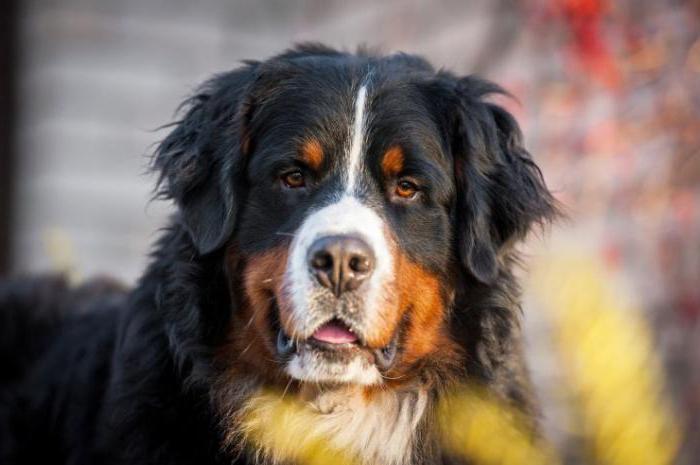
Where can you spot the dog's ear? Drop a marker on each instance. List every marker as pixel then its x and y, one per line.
pixel 500 190
pixel 200 160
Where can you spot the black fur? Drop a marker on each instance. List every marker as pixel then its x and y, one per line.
pixel 101 375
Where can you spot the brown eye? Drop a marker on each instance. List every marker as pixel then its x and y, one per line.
pixel 406 189
pixel 294 179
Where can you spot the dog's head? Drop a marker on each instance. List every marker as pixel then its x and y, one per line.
pixel 350 195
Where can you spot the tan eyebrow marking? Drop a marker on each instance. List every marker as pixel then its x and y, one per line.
pixel 312 153
pixel 392 162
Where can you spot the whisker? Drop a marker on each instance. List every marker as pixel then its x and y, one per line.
pixel 280 233
pixel 246 349
pixel 286 387
pixel 250 322
pixel 277 362
pixel 389 377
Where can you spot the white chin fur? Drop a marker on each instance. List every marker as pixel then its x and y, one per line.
pixel 311 367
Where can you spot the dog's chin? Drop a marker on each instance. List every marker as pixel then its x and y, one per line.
pixel 334 354
pixel 351 365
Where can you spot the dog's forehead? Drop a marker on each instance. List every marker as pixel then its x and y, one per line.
pixel 352 119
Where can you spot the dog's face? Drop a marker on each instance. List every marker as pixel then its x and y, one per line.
pixel 346 228
pixel 351 193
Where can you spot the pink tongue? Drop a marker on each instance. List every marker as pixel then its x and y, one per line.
pixel 334 333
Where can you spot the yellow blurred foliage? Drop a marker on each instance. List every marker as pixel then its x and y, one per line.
pixel 476 425
pixel 606 352
pixel 283 429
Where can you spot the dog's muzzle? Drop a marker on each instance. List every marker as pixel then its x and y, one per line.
pixel 337 283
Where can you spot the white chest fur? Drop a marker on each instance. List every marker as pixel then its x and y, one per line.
pixel 380 429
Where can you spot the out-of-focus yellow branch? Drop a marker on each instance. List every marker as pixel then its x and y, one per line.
pixel 284 430
pixel 476 425
pixel 608 359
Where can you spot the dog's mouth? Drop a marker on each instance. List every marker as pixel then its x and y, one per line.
pixel 336 341
pixel 334 333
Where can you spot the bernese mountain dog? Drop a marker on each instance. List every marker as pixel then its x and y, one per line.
pixel 344 237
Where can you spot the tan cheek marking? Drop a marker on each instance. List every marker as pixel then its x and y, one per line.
pixel 250 341
pixel 392 162
pixel 419 291
pixel 265 280
pixel 426 335
pixel 312 153
pixel 380 335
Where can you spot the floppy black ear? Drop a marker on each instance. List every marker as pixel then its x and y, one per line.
pixel 500 190
pixel 200 159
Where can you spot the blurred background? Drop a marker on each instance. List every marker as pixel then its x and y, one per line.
pixel 609 100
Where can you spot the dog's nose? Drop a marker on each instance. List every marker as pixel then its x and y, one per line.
pixel 341 263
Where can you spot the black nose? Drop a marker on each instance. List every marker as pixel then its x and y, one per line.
pixel 341 263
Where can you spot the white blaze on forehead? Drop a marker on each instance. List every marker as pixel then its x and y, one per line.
pixel 357 139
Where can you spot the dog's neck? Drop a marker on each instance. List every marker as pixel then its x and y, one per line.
pixel 380 427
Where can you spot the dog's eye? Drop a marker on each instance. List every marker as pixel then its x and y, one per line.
pixel 406 189
pixel 294 179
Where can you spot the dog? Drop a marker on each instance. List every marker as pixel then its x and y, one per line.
pixel 344 237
